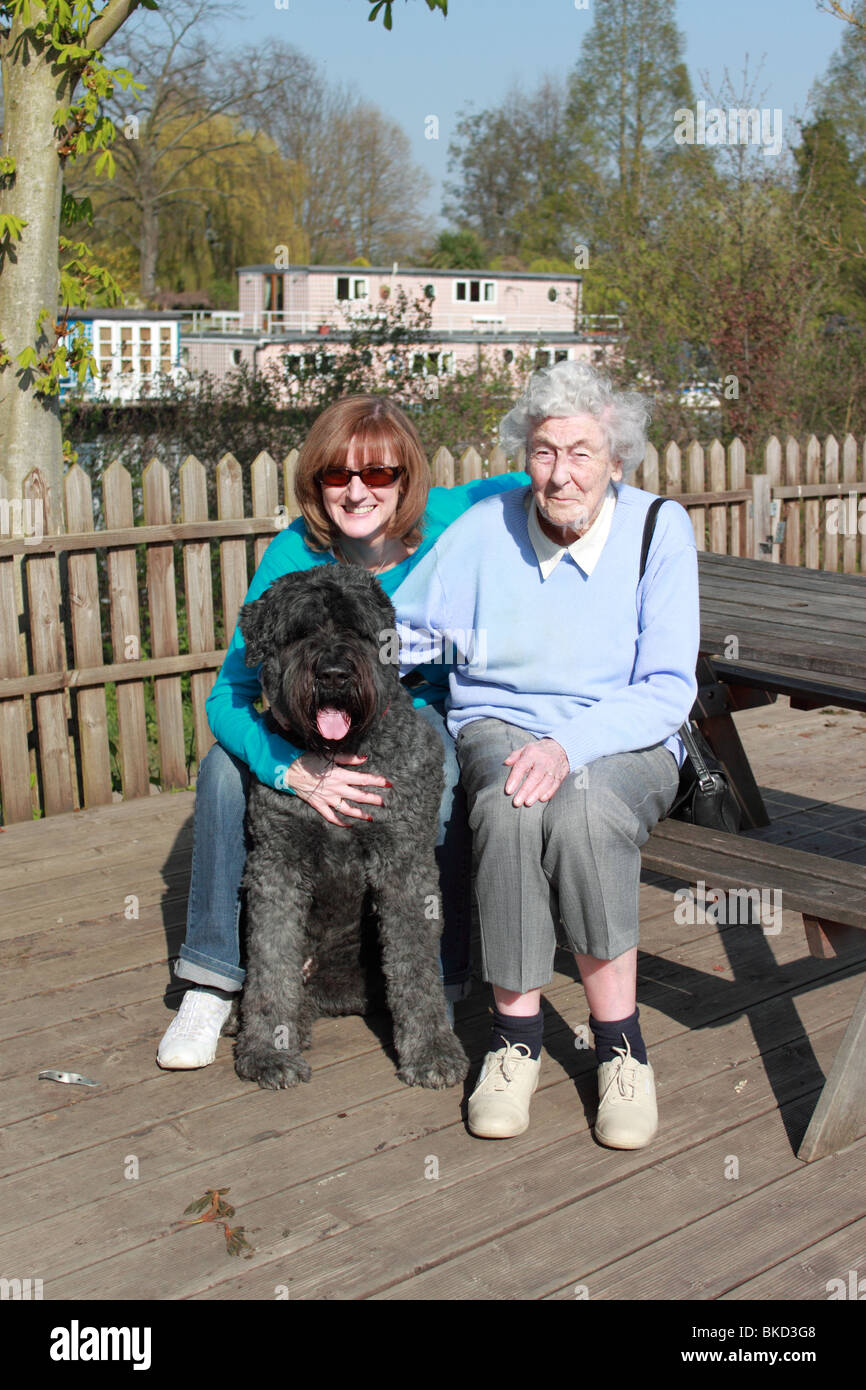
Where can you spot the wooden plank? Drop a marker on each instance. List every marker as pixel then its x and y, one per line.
pixel 831 475
pixel 826 888
pixel 470 465
pixel 697 483
pixel 773 471
pixel 126 634
pixel 819 490
pixel 826 940
pixel 812 1272
pixel 840 1115
pixel 791 508
pixel 373 1194
pixel 778 644
pixel 198 590
pixel 233 554
pixel 162 611
pixel 140 535
pixel 84 619
pixel 442 468
pixel 15 792
pixel 737 479
pixel 56 768
pixel 775 606
pixel 838 690
pixel 810 578
pixel 289 469
pixel 783 583
pixel 650 470
pixel 673 470
pixel 264 498
pixel 718 515
pixel 497 463
pixel 812 508
pixel 449 1243
pixel 709 1257
pixel 120 671
pixel 760 519
pixel 849 476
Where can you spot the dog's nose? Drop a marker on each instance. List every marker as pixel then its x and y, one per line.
pixel 334 671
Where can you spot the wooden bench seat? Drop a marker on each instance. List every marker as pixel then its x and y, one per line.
pixel 831 895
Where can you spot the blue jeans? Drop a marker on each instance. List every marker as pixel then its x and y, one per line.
pixel 211 955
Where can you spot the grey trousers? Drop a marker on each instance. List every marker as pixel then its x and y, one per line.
pixel 576 856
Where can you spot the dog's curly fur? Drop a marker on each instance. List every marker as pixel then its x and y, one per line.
pixel 339 920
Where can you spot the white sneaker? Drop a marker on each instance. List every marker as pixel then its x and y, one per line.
pixel 191 1038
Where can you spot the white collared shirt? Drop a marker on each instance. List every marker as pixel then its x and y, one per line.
pixel 585 551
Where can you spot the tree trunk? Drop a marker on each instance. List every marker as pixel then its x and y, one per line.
pixel 30 433
pixel 148 244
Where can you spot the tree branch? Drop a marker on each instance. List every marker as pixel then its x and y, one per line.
pixel 106 24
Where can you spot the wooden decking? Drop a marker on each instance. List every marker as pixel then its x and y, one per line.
pixel 355 1187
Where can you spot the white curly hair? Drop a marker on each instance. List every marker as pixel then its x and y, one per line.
pixel 576 388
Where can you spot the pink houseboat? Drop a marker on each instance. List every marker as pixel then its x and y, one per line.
pixel 293 310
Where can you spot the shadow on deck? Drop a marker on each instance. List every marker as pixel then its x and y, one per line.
pixel 356 1187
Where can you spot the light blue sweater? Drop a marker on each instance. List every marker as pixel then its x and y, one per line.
pixel 600 662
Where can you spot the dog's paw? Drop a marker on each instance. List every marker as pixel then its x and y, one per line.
pixel 442 1063
pixel 275 1071
pixel 232 1025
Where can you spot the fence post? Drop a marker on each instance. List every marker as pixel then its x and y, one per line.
pixel 760 519
pixel 14 755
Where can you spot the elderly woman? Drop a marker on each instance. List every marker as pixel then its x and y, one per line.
pixel 572 679
pixel 363 489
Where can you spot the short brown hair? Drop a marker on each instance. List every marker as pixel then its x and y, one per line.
pixel 375 424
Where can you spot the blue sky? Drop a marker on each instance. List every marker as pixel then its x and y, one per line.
pixel 430 65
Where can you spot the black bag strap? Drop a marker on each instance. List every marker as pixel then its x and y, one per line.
pixel 693 748
pixel 685 732
pixel 648 529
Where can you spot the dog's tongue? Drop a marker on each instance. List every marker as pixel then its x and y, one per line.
pixel 333 724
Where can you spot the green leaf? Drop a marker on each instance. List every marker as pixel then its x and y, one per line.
pixel 11 226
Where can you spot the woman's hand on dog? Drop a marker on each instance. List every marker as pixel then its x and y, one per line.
pixel 331 785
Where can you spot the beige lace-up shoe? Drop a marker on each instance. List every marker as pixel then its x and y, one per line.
pixel 627 1114
pixel 499 1105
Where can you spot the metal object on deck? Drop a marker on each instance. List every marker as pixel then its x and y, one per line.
pixel 72 1078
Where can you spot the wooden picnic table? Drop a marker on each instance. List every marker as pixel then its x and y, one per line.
pixel 768 630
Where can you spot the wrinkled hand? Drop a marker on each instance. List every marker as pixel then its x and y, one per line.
pixel 538 770
pixel 330 786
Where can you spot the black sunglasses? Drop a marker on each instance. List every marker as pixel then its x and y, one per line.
pixel 371 475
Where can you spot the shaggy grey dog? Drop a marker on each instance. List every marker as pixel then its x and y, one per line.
pixel 340 921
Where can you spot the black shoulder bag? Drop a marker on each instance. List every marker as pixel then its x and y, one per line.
pixel 704 796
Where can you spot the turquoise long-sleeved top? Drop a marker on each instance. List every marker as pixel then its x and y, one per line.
pixel 235 722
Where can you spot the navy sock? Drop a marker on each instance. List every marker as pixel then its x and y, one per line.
pixel 607 1036
pixel 509 1029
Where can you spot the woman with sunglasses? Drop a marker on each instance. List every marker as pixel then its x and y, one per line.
pixel 363 490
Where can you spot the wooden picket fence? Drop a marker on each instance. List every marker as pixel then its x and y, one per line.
pixel 77 730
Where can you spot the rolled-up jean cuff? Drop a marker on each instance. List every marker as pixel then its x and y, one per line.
pixel 191 965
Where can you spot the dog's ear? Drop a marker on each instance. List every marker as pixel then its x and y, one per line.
pixel 257 623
